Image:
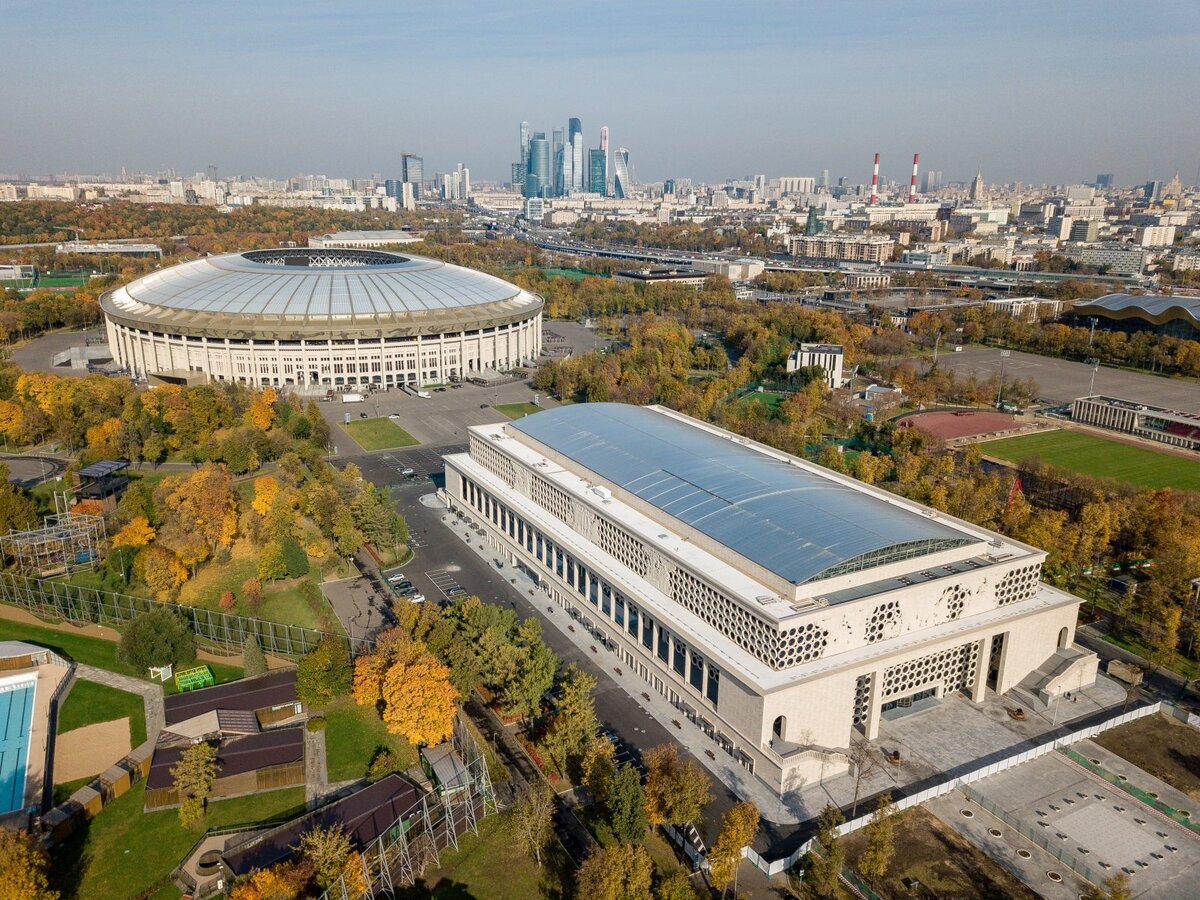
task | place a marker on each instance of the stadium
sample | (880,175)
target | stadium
(320,319)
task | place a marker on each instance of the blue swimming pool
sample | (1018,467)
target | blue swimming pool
(16,713)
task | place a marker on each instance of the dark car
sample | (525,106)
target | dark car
(483,406)
(363,415)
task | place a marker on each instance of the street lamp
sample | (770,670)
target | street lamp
(1004,355)
(1095,364)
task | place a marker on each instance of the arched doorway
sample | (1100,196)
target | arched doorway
(1062,639)
(779,729)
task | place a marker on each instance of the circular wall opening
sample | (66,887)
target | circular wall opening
(1054,876)
(995,832)
(967,814)
(1023,853)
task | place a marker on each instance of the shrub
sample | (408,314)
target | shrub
(294,560)
(157,638)
(253,659)
(252,590)
(383,765)
(316,723)
(228,601)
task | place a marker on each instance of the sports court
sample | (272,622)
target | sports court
(16,720)
(958,424)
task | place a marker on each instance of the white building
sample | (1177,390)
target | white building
(1115,258)
(828,356)
(1156,236)
(777,604)
(364,239)
(1031,309)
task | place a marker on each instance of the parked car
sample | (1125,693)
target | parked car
(396,577)
(363,415)
(417,598)
(408,471)
(393,415)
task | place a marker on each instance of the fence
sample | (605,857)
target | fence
(80,605)
(950,782)
(1139,794)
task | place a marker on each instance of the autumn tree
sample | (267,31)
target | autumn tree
(879,833)
(271,564)
(282,881)
(676,792)
(137,532)
(266,489)
(324,673)
(326,851)
(23,867)
(261,413)
(627,806)
(574,723)
(532,819)
(675,886)
(623,872)
(737,831)
(598,770)
(823,869)
(198,508)
(193,778)
(410,688)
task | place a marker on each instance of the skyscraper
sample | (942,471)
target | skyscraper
(622,185)
(977,187)
(575,143)
(412,171)
(560,159)
(537,178)
(524,145)
(597,173)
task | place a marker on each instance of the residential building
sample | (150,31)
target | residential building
(1114,258)
(851,248)
(829,357)
(1156,236)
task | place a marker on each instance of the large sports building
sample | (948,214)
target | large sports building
(778,605)
(321,318)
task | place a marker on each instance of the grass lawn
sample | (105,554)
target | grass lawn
(90,703)
(125,852)
(379,434)
(281,602)
(770,398)
(353,734)
(96,651)
(1161,745)
(517,410)
(490,867)
(1091,455)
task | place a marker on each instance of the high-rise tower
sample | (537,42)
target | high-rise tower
(977,187)
(575,147)
(559,160)
(538,181)
(622,185)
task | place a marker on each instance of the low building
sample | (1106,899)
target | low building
(778,605)
(104,248)
(1167,426)
(1170,314)
(663,275)
(875,249)
(867,280)
(1113,258)
(1031,309)
(365,239)
(829,357)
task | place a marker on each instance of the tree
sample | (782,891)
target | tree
(824,870)
(157,638)
(326,851)
(879,834)
(598,769)
(532,819)
(863,758)
(627,806)
(262,409)
(271,564)
(193,778)
(574,723)
(295,563)
(253,659)
(324,673)
(23,865)
(136,533)
(1114,888)
(623,872)
(675,886)
(160,569)
(409,686)
(283,881)
(676,793)
(266,488)
(737,831)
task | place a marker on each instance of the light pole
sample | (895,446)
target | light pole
(937,344)
(1095,364)
(1004,354)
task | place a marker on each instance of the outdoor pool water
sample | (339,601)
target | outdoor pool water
(16,713)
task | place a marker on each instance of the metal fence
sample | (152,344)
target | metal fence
(84,605)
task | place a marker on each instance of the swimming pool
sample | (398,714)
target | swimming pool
(16,714)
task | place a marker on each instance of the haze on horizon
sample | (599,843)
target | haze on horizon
(1023,90)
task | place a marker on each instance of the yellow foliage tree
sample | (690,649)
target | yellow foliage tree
(285,881)
(160,569)
(88,508)
(12,416)
(23,868)
(411,687)
(102,438)
(137,533)
(262,409)
(266,489)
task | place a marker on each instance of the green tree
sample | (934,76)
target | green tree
(295,561)
(157,638)
(598,770)
(880,839)
(324,673)
(271,563)
(326,850)
(253,659)
(627,806)
(675,886)
(574,724)
(737,831)
(823,870)
(193,778)
(532,819)
(622,872)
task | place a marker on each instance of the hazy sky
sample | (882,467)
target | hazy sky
(1038,91)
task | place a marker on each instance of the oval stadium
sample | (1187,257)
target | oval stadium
(320,319)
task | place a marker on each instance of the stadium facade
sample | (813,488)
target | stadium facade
(779,606)
(321,318)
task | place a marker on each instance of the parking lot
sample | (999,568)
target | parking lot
(445,582)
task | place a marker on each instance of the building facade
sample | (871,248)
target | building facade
(1167,426)
(318,319)
(780,606)
(850,248)
(829,357)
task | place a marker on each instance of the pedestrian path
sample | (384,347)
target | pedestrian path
(316,773)
(152,694)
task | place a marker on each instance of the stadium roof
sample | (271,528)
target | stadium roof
(1157,308)
(331,288)
(793,521)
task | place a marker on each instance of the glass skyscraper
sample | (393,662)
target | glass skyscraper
(622,186)
(412,171)
(560,160)
(597,173)
(537,178)
(575,147)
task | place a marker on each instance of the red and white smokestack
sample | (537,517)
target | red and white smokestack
(912,185)
(875,182)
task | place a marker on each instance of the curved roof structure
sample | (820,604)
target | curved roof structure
(266,292)
(1156,308)
(792,521)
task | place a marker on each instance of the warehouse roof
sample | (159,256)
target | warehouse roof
(787,517)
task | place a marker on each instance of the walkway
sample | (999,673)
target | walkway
(316,773)
(152,694)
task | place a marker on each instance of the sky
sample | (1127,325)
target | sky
(1038,91)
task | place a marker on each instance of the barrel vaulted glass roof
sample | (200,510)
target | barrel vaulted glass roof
(318,284)
(793,522)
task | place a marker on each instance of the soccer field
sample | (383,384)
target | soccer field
(1091,455)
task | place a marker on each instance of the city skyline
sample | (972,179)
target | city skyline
(788,90)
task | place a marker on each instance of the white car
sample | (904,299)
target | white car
(393,415)
(417,598)
(396,578)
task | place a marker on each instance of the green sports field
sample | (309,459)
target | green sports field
(517,410)
(379,434)
(1091,455)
